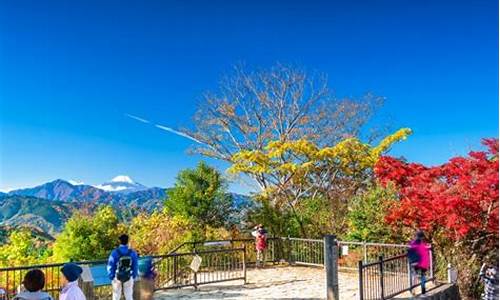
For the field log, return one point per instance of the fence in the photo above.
(223, 260)
(302, 251)
(352, 252)
(387, 277)
(173, 271)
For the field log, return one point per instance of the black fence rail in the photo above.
(224, 260)
(305, 251)
(273, 254)
(302, 251)
(174, 270)
(388, 277)
(352, 252)
(11, 278)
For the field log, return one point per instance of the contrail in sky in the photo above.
(177, 132)
(138, 119)
(171, 130)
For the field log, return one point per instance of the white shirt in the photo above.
(72, 292)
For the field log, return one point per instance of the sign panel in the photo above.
(195, 264)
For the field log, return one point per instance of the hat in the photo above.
(71, 271)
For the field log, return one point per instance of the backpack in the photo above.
(124, 268)
(413, 256)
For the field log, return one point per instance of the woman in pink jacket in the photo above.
(419, 256)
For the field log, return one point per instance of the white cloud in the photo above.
(110, 188)
(76, 182)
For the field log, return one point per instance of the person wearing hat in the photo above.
(71, 291)
(419, 257)
(33, 282)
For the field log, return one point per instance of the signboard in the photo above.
(86, 274)
(195, 264)
(345, 250)
(100, 275)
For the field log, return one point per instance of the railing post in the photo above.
(195, 280)
(331, 267)
(360, 276)
(431, 254)
(244, 264)
(365, 254)
(410, 281)
(175, 270)
(381, 269)
(273, 250)
(289, 248)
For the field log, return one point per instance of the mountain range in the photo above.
(46, 207)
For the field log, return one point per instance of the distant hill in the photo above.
(47, 207)
(61, 190)
(134, 194)
(41, 214)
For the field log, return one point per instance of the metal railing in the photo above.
(388, 277)
(273, 254)
(173, 271)
(302, 251)
(217, 265)
(223, 260)
(305, 251)
(11, 278)
(352, 252)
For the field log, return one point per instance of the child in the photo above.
(33, 282)
(489, 277)
(260, 235)
(71, 291)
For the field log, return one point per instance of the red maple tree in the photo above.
(459, 198)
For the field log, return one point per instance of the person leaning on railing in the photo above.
(33, 282)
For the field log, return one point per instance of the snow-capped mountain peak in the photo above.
(121, 184)
(122, 178)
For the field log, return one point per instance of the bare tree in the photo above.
(281, 103)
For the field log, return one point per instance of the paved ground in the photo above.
(271, 283)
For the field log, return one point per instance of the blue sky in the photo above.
(70, 70)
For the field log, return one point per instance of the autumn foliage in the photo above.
(455, 203)
(460, 197)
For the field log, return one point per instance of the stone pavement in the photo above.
(270, 283)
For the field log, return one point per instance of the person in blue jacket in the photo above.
(122, 269)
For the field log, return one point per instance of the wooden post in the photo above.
(331, 267)
(86, 282)
(144, 289)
